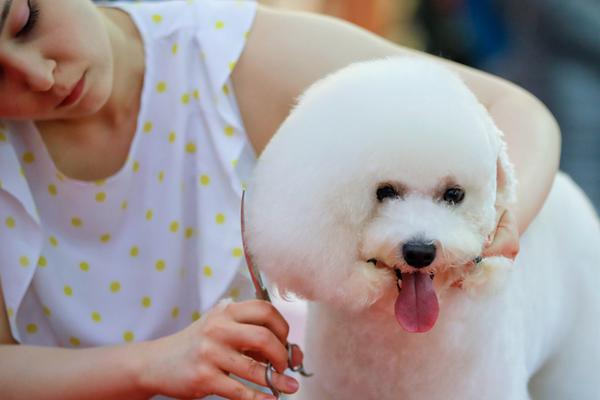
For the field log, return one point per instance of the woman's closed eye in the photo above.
(33, 13)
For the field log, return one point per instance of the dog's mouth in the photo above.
(416, 307)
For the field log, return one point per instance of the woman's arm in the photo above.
(53, 373)
(288, 51)
(192, 363)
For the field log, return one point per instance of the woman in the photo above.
(128, 135)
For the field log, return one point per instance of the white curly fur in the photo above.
(313, 222)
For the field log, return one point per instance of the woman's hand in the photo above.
(505, 239)
(233, 338)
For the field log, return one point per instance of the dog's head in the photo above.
(385, 169)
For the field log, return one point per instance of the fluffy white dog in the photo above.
(374, 201)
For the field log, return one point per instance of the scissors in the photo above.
(263, 294)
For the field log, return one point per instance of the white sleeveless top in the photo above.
(145, 252)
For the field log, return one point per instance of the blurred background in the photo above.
(549, 47)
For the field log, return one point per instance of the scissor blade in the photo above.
(259, 287)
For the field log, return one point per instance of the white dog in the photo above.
(391, 169)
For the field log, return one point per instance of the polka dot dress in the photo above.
(147, 251)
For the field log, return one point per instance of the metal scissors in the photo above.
(263, 294)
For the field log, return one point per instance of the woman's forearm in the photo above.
(533, 138)
(31, 372)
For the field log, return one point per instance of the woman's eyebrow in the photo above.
(5, 11)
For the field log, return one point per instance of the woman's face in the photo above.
(55, 59)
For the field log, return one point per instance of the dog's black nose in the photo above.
(418, 254)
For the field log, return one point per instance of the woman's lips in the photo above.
(75, 93)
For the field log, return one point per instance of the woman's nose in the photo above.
(31, 68)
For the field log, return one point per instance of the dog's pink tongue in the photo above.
(417, 305)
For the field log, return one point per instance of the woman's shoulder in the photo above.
(163, 18)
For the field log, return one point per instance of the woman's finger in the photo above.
(297, 356)
(254, 371)
(259, 312)
(506, 238)
(229, 388)
(246, 338)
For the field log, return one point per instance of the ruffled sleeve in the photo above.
(20, 232)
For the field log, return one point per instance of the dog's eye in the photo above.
(385, 192)
(454, 195)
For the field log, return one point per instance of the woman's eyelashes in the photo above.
(33, 14)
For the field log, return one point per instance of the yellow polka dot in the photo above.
(174, 48)
(185, 98)
(42, 262)
(219, 24)
(53, 241)
(207, 271)
(175, 312)
(2, 137)
(47, 311)
(190, 147)
(146, 302)
(204, 180)
(76, 222)
(161, 176)
(149, 215)
(124, 205)
(172, 137)
(74, 341)
(234, 293)
(157, 18)
(24, 261)
(52, 189)
(225, 89)
(100, 197)
(84, 266)
(196, 94)
(196, 316)
(237, 252)
(28, 158)
(10, 222)
(232, 65)
(148, 127)
(220, 219)
(174, 226)
(31, 328)
(246, 35)
(115, 286)
(189, 232)
(161, 87)
(134, 251)
(105, 238)
(136, 166)
(10, 312)
(68, 290)
(234, 163)
(60, 176)
(160, 265)
(229, 131)
(128, 336)
(96, 317)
